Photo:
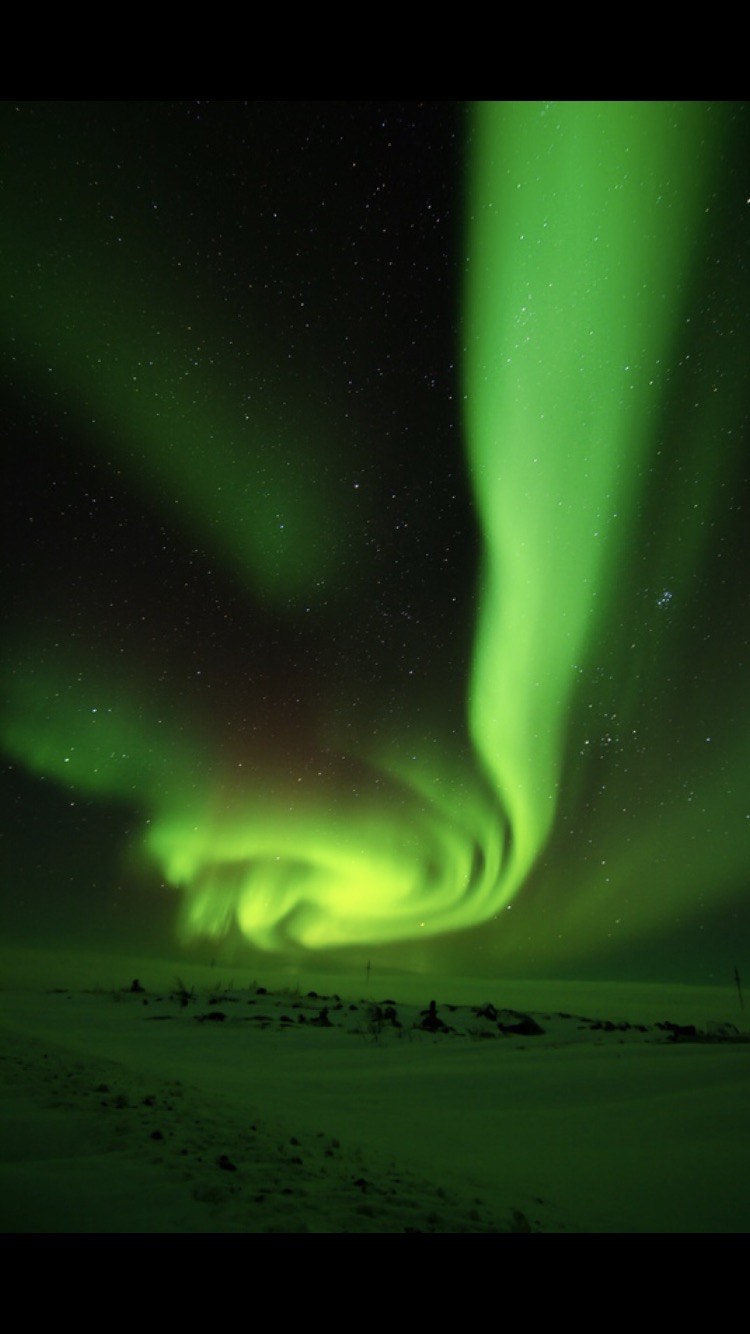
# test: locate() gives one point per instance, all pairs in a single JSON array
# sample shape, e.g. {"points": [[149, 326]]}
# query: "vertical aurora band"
{"points": [[583, 222]]}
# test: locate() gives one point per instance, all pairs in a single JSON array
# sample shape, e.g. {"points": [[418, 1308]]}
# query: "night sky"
{"points": [[376, 524]]}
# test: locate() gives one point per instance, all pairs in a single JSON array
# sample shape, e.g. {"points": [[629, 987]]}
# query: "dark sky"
{"points": [[244, 557]]}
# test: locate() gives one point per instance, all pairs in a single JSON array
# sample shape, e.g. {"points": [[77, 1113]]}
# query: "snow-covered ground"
{"points": [[243, 1104]]}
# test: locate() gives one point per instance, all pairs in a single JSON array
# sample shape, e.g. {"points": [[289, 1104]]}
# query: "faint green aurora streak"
{"points": [[583, 221]]}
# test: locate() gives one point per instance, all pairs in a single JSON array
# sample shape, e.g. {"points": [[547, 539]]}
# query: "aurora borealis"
{"points": [[376, 517]]}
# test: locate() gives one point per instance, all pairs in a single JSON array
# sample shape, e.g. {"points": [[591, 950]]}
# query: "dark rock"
{"points": [[225, 1163], [135, 986], [526, 1027], [520, 1222], [431, 1021], [678, 1031], [216, 1017], [487, 1011]]}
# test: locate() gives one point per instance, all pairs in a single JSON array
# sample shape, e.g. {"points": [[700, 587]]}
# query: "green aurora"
{"points": [[586, 779]]}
